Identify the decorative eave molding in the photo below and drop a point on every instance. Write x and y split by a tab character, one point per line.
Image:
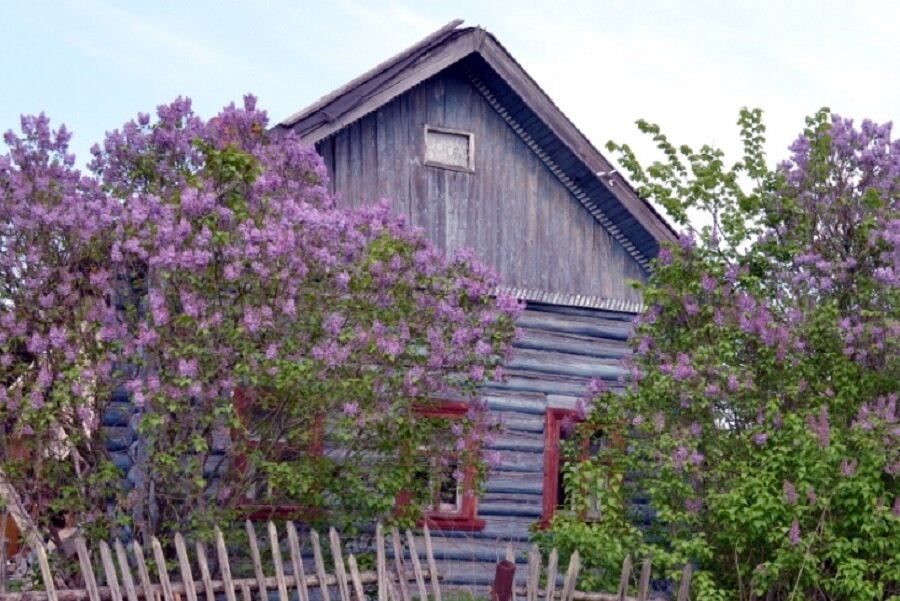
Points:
572	300
564	179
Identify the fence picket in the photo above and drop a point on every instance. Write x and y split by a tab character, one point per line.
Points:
245	592
46	574
685	587
184	562
143	573
624	578
225	566
551	574
112	579
354	577
381	563
275	546
257	561
339	570
398	563
125	568
297	562
320	564
644	583
84	560
534	574
571	577
160	560
203	562
432	565
417	566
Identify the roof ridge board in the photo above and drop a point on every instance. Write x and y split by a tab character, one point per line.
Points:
428	41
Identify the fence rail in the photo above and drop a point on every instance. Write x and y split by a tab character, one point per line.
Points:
127	577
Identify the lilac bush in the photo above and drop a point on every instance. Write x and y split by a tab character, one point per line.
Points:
201	266
762	401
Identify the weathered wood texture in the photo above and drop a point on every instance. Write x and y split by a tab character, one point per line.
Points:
511	210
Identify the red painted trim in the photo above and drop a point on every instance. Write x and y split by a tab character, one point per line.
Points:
553	419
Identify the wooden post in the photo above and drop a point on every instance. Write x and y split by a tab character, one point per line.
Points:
257	561
398	563
571	577
684	588
84	560
125	568
354	577
160	559
276	559
644	584
381	564
624	578
45	573
432	566
417	566
551	574
143	573
297	562
534	574
203	562
112	580
184	563
504	575
224	566
320	564
339	570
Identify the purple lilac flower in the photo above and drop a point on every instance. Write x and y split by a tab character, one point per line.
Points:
790	493
794	534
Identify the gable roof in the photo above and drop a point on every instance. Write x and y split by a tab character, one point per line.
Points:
517	98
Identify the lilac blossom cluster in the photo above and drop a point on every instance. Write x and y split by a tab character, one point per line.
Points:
205	257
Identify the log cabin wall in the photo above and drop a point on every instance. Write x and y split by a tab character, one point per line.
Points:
517	217
515	213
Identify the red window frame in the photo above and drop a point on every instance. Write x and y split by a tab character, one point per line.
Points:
553	422
466	517
260	512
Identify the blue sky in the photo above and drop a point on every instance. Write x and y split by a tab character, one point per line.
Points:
689	65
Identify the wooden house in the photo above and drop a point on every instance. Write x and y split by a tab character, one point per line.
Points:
469	147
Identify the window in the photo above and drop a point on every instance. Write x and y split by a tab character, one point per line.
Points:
449	148
453	504
558	426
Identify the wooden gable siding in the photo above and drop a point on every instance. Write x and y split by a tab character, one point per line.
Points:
512	211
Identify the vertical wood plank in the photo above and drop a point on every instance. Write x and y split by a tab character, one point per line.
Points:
381	563
275	545
46	574
644	583
624	578
393	594
684	588
4	521
354	578
109	570
339	570
417	566
225	566
257	561
551	574
571	577
432	565
125	569
84	560
245	592
320	564
160	560
398	563
143	573
534	574
205	576
184	562
297	562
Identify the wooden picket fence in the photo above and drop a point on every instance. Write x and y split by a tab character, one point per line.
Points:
129	578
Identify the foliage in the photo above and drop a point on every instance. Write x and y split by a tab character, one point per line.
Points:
202	263
761	409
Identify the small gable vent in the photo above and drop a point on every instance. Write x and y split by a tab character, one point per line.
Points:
449	148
